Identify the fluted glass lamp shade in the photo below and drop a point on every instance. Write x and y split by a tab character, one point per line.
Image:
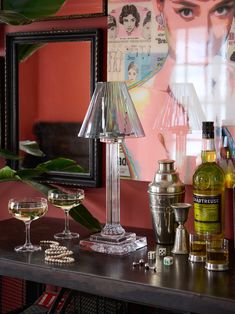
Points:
111	117
111	113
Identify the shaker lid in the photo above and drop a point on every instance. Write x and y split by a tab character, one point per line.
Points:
166	179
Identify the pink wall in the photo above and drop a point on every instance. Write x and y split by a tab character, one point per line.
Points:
28	95
73	7
134	202
134	197
55	76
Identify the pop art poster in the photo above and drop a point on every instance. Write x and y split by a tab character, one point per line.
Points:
178	60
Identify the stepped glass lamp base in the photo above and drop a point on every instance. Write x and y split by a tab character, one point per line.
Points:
118	245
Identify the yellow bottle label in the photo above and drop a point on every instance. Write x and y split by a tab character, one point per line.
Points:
207	213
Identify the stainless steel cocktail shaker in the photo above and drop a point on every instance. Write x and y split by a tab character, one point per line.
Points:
165	189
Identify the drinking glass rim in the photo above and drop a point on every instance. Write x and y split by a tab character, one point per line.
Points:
200	237
28	200
72	192
222	240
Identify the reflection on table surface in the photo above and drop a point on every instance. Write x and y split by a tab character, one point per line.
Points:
184	284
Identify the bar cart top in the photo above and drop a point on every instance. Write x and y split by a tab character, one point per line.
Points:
183	286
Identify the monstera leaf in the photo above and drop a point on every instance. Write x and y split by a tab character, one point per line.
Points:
20	12
8	174
32	148
26	50
13	18
79	213
60	164
6	154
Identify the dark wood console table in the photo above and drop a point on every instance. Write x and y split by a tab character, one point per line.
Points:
184	286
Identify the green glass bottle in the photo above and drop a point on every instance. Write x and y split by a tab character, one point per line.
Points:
208	188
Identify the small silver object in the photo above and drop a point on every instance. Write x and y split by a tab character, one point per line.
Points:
151	255
141	262
148	267
181	245
165	189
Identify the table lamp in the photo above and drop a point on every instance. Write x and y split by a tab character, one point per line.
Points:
111	117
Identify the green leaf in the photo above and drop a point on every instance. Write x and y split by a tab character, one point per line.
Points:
84	217
13	18
57	164
33	8
26	50
79	213
32	148
74	168
4	153
25	174
8	174
41	187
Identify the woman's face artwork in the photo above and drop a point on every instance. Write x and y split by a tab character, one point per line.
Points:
196	29
132	74
112	32
129	23
146	31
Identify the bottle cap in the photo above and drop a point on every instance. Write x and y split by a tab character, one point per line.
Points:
208	129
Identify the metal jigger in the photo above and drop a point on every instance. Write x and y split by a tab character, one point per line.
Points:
181	236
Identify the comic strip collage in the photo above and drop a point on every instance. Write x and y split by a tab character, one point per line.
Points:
137	45
178	60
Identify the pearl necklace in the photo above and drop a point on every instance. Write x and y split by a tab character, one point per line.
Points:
57	254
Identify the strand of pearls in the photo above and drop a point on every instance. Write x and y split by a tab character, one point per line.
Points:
56	250
57	254
49	243
59	261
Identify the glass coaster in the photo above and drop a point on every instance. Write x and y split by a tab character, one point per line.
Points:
127	243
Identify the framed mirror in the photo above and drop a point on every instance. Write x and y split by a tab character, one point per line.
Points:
2	99
50	77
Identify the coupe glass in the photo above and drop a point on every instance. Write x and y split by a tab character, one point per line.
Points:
66	200
27	209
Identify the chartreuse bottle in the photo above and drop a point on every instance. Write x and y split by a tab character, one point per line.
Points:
208	188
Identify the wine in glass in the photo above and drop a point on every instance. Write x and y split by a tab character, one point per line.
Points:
27	209
66	200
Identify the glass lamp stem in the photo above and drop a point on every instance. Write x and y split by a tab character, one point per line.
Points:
112	184
112	227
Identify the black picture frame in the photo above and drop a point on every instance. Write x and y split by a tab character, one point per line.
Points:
11	125
2	99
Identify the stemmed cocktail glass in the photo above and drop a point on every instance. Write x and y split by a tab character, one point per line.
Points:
27	209
66	200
